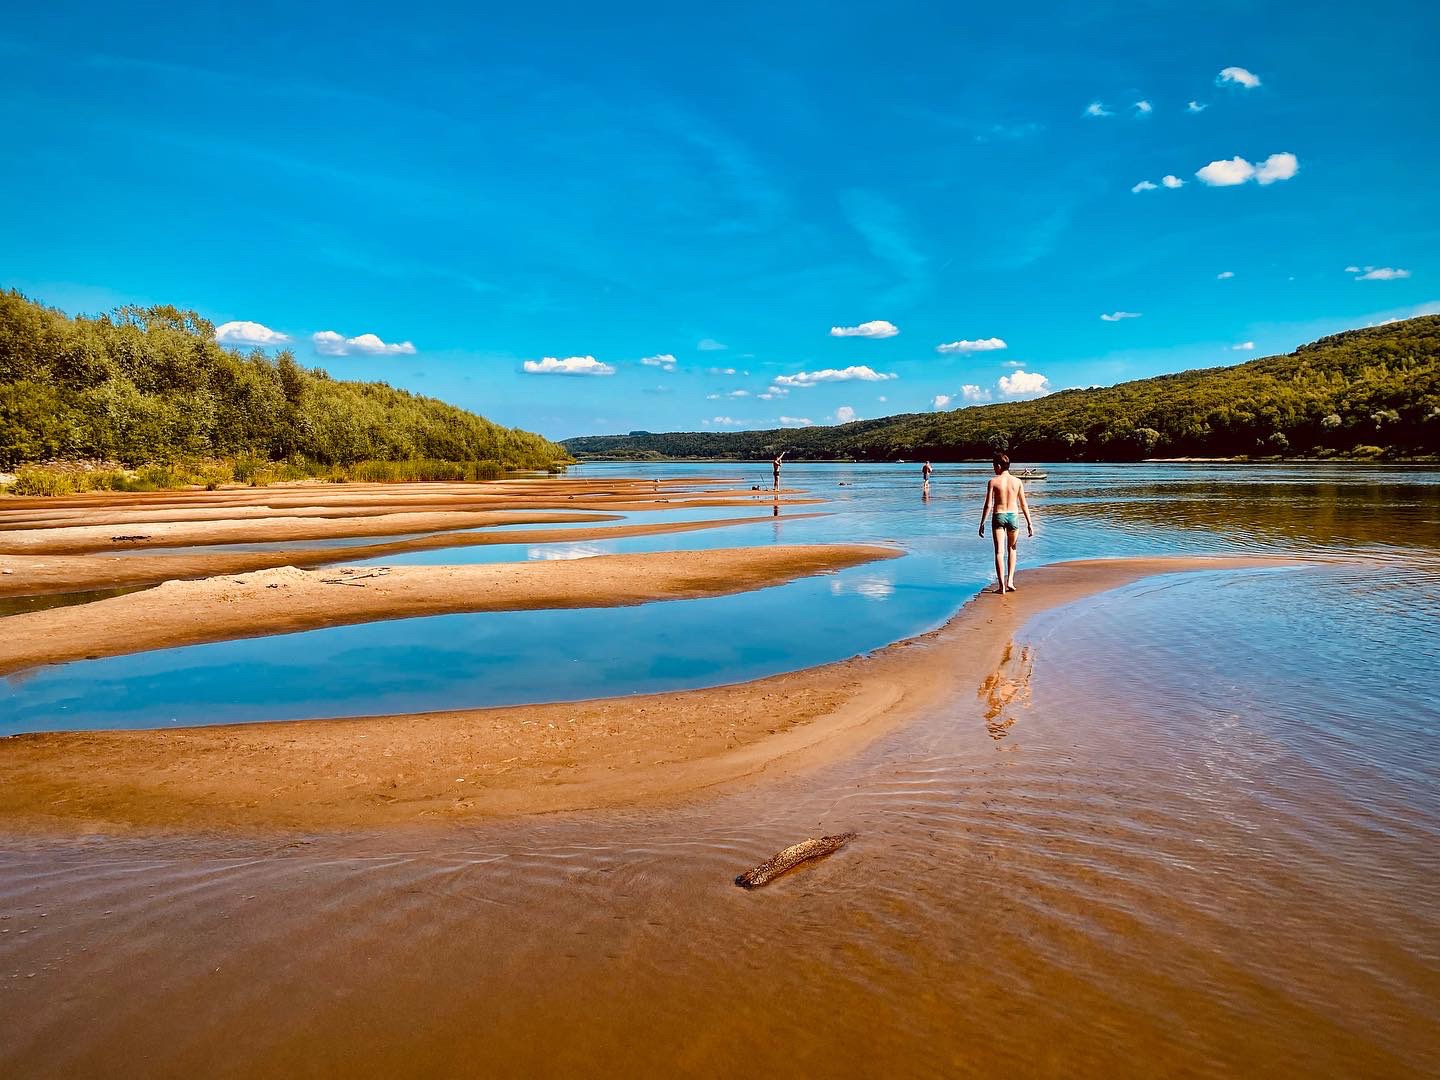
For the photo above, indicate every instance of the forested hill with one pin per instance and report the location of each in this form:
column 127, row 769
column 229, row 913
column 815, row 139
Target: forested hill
column 151, row 385
column 1364, row 392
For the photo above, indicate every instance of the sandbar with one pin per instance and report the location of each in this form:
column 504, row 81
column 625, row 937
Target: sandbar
column 454, row 765
column 79, row 539
column 38, row 575
column 287, row 599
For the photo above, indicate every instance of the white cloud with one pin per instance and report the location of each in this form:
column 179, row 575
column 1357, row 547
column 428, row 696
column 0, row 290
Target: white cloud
column 875, row 328
column 796, row 421
column 710, row 345
column 861, row 373
column 725, row 421
column 1277, row 167
column 1226, row 173
column 1014, row 363
column 1239, row 76
column 248, row 333
column 1024, row 383
column 1236, row 170
column 882, row 397
column 1095, row 108
column 329, row 343
column 728, row 394
column 1143, row 185
column 844, row 414
column 1195, row 107
column 1172, row 182
column 940, row 401
column 1225, row 275
column 1243, row 346
column 981, row 345
column 972, row 392
column 1116, row 316
column 1144, row 107
column 1352, row 269
column 571, row 365
column 719, row 371
column 1383, row 273
column 664, row 361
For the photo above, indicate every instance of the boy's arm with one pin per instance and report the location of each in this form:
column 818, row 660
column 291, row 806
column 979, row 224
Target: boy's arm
column 1025, row 509
column 985, row 509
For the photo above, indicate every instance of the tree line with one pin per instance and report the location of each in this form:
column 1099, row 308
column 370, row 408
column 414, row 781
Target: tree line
column 1366, row 393
column 150, row 385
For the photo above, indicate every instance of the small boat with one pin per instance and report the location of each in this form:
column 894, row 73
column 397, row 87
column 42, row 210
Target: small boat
column 1031, row 474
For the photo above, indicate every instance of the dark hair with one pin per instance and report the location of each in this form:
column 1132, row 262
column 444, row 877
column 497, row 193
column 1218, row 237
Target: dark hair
column 1002, row 461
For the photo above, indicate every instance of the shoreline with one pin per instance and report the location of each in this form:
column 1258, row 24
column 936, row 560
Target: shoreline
column 286, row 599
column 515, row 760
column 44, row 575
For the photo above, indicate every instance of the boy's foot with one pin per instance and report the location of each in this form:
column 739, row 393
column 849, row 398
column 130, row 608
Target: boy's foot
column 999, row 589
column 1009, row 586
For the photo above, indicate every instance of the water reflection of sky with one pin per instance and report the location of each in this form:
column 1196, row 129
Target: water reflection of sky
column 499, row 658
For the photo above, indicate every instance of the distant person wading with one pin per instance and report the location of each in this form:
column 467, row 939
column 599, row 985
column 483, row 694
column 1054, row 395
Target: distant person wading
column 779, row 459
column 1005, row 503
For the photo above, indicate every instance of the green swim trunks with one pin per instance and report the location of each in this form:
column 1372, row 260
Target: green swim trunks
column 1010, row 519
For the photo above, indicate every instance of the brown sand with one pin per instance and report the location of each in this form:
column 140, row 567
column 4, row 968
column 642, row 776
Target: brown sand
column 323, row 500
column 79, row 539
column 38, row 575
column 528, row 759
column 287, row 599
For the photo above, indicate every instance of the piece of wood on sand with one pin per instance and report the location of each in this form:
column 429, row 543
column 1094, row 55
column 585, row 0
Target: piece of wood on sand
column 791, row 857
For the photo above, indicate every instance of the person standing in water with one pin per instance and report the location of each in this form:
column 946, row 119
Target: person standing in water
column 1005, row 503
column 779, row 458
column 925, row 471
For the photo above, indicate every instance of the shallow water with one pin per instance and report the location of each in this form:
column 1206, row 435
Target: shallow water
column 1146, row 845
column 1190, row 827
column 455, row 661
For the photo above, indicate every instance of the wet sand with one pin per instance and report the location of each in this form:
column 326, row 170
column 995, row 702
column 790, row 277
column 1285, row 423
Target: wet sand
column 387, row 770
column 35, row 575
column 288, row 599
column 315, row 499
column 80, row 539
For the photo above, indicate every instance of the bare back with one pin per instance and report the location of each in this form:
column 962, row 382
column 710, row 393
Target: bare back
column 1005, row 492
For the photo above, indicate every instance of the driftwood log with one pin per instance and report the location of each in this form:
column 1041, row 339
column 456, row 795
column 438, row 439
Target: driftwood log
column 792, row 857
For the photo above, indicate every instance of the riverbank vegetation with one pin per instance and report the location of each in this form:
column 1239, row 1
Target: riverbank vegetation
column 148, row 391
column 1371, row 393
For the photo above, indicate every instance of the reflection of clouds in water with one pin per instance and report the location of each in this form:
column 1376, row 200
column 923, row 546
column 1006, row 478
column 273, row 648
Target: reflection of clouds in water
column 870, row 586
column 564, row 551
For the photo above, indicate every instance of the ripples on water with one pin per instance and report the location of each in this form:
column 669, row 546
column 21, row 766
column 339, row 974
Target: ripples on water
column 1187, row 828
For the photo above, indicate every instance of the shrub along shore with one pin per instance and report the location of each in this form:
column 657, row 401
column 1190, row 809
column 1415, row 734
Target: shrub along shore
column 145, row 397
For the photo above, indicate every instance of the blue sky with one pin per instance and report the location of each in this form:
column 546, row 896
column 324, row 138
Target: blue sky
column 451, row 197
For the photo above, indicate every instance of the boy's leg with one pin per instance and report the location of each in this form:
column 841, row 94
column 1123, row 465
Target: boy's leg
column 1013, row 544
column 998, row 536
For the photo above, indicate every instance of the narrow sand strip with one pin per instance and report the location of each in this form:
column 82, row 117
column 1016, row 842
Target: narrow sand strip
column 79, row 539
column 327, row 774
column 288, row 599
column 39, row 575
column 322, row 503
column 487, row 493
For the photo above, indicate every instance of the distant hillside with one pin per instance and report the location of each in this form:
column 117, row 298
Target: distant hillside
column 151, row 385
column 1364, row 392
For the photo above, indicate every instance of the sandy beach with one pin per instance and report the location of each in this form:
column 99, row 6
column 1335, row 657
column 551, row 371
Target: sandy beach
column 446, row 765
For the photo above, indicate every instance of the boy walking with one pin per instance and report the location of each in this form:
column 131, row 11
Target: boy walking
column 1005, row 503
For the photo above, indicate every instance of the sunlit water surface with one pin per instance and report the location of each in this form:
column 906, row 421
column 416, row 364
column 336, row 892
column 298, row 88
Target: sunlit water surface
column 456, row 661
column 1189, row 827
